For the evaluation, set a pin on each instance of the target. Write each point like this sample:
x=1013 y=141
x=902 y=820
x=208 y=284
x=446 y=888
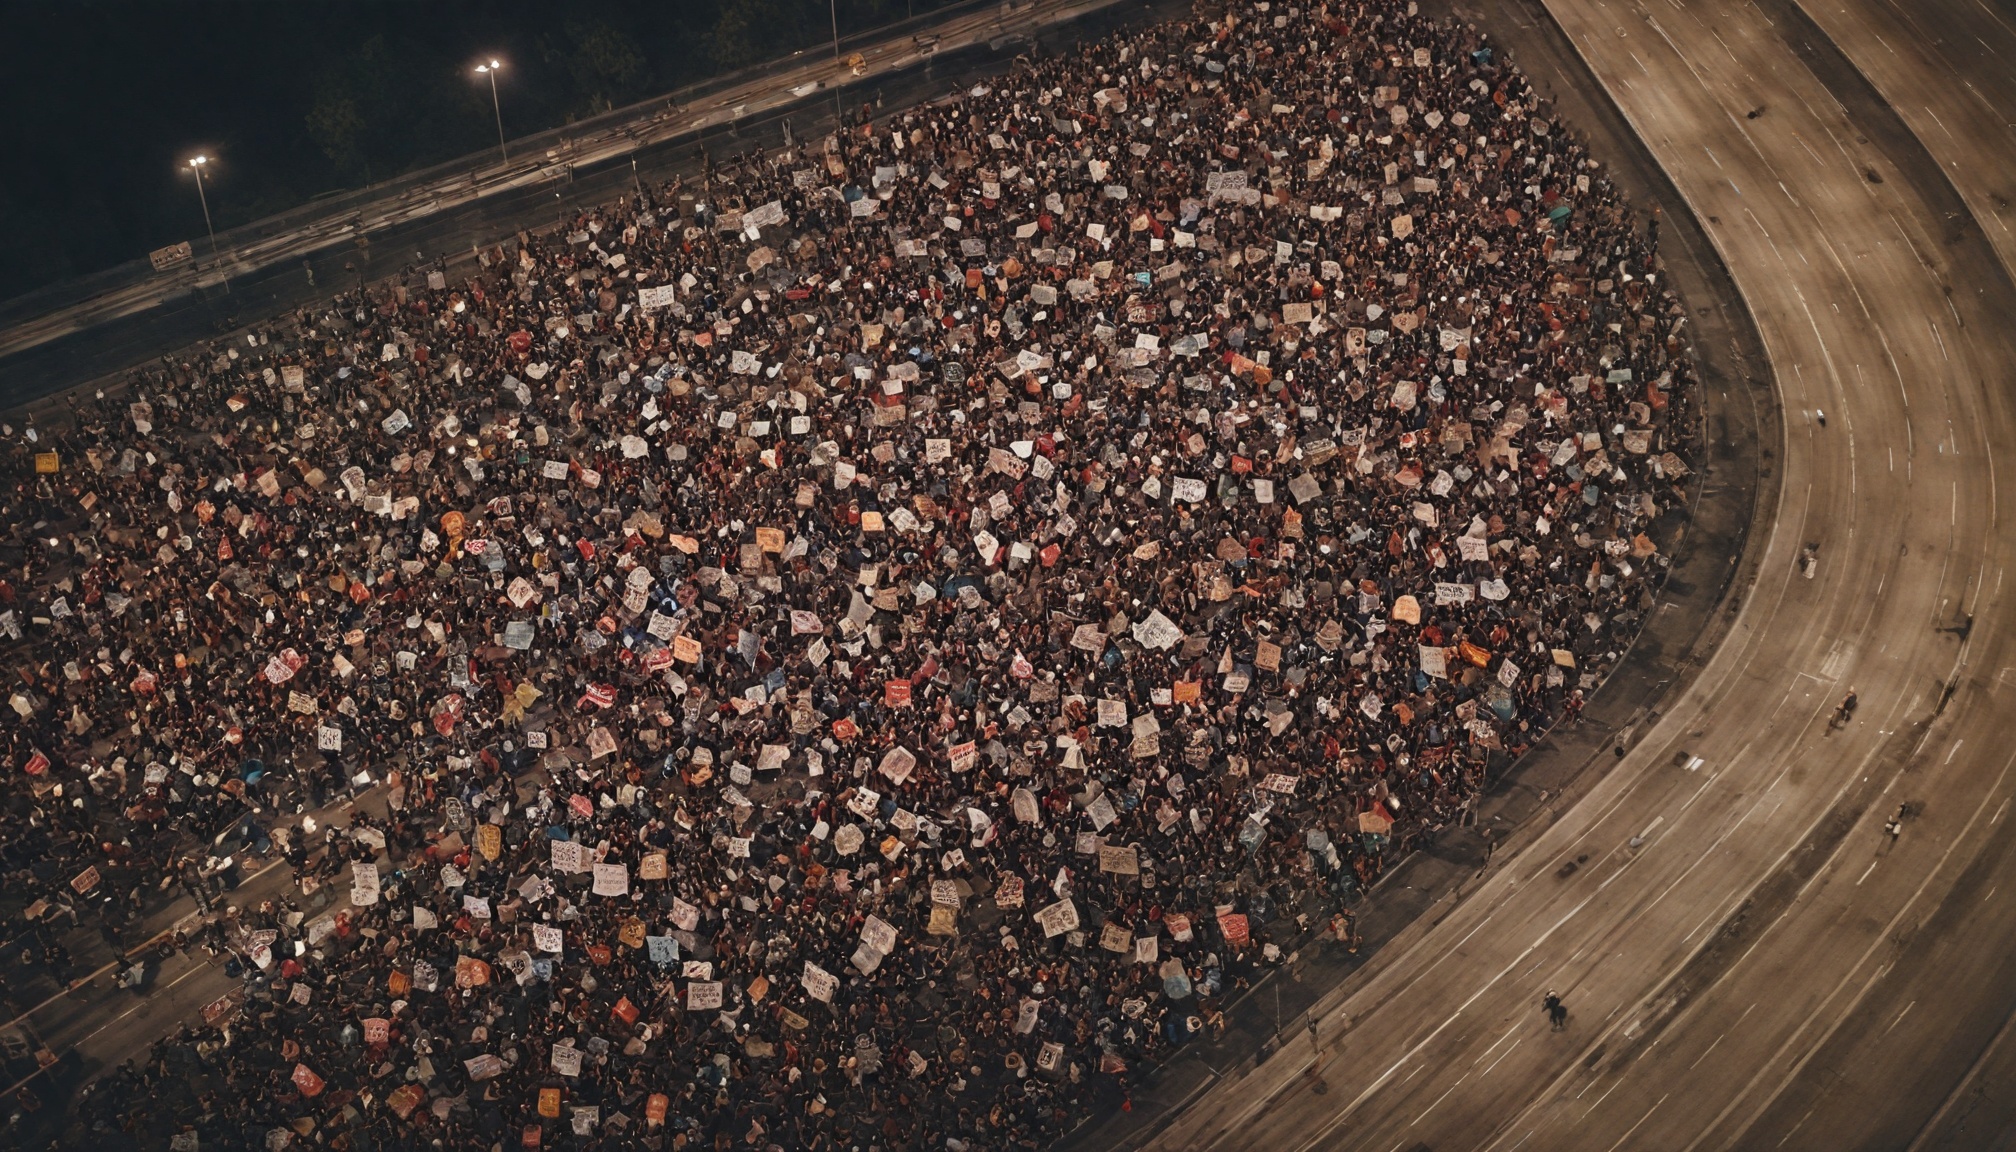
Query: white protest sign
x=612 y=879
x=686 y=917
x=364 y=885
x=879 y=934
x=1058 y=918
x=569 y=856
x=819 y=983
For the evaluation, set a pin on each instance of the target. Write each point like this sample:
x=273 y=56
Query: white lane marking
x=1880 y=940
x=1411 y=1053
x=1439 y=1099
x=1509 y=1033
x=1501 y=1058
x=1640 y=1124
x=1704 y=1053
x=1614 y=1085
x=142 y=1004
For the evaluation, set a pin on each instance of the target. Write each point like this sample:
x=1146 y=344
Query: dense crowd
x=868 y=650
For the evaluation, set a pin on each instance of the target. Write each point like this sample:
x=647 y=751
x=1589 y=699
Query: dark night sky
x=106 y=100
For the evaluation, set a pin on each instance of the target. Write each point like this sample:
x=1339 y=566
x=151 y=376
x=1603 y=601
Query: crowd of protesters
x=868 y=650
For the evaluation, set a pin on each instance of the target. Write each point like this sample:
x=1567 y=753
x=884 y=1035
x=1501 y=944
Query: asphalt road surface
x=95 y=1025
x=1748 y=958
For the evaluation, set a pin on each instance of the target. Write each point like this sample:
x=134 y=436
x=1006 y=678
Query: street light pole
x=196 y=164
x=490 y=70
x=833 y=9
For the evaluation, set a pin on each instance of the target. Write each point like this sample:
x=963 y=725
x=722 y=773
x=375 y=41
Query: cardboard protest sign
x=663 y=950
x=631 y=934
x=897 y=764
x=1058 y=918
x=612 y=880
x=1234 y=928
x=1101 y=812
x=879 y=934
x=1434 y=661
x=1267 y=656
x=686 y=917
x=1116 y=937
x=1157 y=632
x=569 y=856
x=819 y=983
x=364 y=885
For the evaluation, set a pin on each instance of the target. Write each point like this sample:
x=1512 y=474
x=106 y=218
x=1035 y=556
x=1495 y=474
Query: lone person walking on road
x=1557 y=1012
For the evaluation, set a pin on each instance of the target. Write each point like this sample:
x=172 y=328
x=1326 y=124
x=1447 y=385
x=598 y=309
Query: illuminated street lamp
x=491 y=69
x=196 y=164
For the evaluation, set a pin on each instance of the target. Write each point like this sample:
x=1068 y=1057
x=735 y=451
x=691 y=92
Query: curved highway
x=1749 y=958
